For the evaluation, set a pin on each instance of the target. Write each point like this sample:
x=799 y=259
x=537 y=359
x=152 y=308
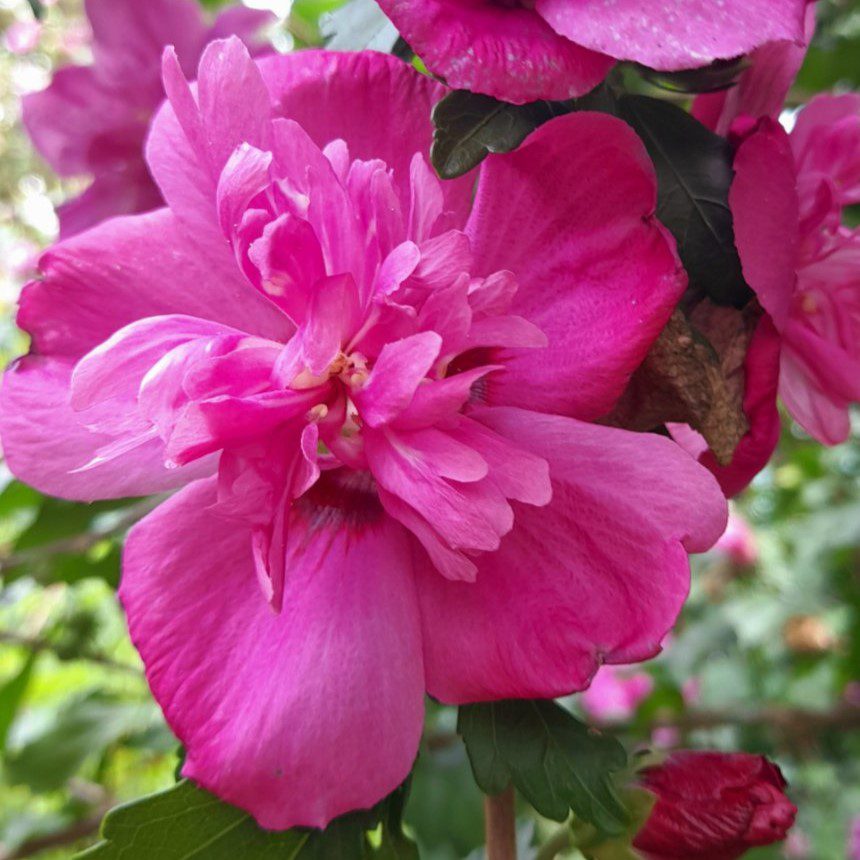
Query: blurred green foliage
x=774 y=647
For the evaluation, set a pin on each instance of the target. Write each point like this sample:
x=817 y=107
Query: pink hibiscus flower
x=615 y=695
x=524 y=50
x=93 y=120
x=787 y=200
x=364 y=378
x=738 y=542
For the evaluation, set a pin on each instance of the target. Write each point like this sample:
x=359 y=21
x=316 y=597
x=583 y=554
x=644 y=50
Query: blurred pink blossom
x=798 y=847
x=665 y=738
x=615 y=693
x=854 y=840
x=738 y=542
x=691 y=691
x=93 y=120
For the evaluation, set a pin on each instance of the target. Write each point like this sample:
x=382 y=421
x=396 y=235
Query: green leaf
x=720 y=75
x=395 y=844
x=639 y=802
x=694 y=174
x=12 y=693
x=469 y=126
x=187 y=822
x=557 y=763
x=68 y=541
x=82 y=728
x=16 y=496
x=444 y=808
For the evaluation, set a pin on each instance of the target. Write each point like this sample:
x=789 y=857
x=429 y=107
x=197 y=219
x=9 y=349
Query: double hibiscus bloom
x=376 y=393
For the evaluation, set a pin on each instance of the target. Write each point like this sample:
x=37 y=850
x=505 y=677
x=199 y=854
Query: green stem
x=560 y=841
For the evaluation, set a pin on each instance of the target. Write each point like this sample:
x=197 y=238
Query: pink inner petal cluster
x=369 y=386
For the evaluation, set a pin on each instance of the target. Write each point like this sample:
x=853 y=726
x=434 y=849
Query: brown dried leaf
x=694 y=375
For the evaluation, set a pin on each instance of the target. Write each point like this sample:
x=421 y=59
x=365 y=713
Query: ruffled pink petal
x=681 y=34
x=116 y=367
x=332 y=318
x=765 y=206
x=762 y=89
x=395 y=377
x=49 y=446
x=360 y=98
x=467 y=513
x=497 y=49
x=597 y=576
x=596 y=272
x=193 y=137
x=356 y=97
x=130 y=268
x=317 y=195
x=289 y=260
x=245 y=175
x=300 y=716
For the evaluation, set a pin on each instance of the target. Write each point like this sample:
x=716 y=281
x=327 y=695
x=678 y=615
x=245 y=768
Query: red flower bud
x=713 y=806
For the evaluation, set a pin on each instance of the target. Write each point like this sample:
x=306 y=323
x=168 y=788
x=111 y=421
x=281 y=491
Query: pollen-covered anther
x=317 y=413
x=809 y=304
x=353 y=370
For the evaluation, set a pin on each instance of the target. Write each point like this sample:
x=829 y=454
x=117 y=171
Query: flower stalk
x=500 y=825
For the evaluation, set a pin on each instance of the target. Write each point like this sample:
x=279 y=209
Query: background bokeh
x=766 y=657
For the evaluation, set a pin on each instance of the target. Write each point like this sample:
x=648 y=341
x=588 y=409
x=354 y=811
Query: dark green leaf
x=395 y=844
x=557 y=763
x=11 y=694
x=187 y=822
x=720 y=75
x=470 y=126
x=38 y=7
x=694 y=172
x=85 y=727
